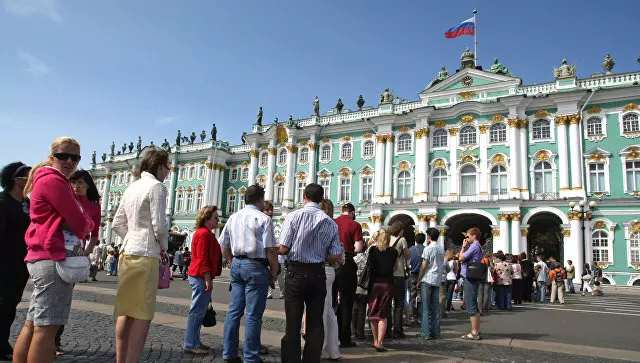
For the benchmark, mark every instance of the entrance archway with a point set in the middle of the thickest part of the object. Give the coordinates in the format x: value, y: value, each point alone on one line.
x: 460, y: 223
x: 545, y: 237
x: 408, y: 223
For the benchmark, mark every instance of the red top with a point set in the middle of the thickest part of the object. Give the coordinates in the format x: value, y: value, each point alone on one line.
x: 92, y: 210
x: 205, y: 253
x: 53, y: 203
x: 350, y: 231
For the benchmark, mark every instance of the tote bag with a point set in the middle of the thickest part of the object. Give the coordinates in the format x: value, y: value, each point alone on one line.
x: 164, y: 275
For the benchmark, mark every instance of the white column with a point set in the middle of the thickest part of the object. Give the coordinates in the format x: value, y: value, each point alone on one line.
x: 109, y: 230
x: 378, y: 176
x: 220, y: 185
x: 172, y: 186
x: 588, y: 244
x: 271, y: 168
x: 377, y: 223
x: 421, y: 167
x: 388, y: 167
x: 290, y: 178
x: 253, y: 167
x: 563, y: 156
x: 514, y: 158
x: 503, y: 241
x: 215, y: 185
x: 524, y: 159
x: 573, y: 249
x: 422, y: 223
x: 311, y: 176
x: 515, y: 234
x: 453, y: 161
x: 443, y: 231
x: 576, y: 158
x: 209, y: 183
x: 523, y: 239
x: 433, y: 220
x: 484, y: 157
x: 105, y: 192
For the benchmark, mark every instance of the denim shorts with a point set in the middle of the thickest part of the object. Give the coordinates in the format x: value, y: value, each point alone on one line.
x: 50, y: 301
x: 471, y: 296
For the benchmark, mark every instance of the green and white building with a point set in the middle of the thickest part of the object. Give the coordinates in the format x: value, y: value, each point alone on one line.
x: 477, y: 148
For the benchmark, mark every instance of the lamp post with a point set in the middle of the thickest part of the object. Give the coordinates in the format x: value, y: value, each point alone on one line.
x: 583, y: 212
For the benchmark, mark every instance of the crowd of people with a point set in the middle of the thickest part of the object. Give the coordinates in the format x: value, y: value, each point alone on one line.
x: 332, y: 281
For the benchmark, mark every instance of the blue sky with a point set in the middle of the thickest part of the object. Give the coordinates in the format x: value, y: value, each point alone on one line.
x: 112, y: 70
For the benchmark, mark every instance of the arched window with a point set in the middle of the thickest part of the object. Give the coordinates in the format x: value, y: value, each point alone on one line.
x: 404, y: 143
x: 264, y: 159
x: 543, y: 177
x: 346, y: 151
x: 182, y: 172
x: 594, y: 126
x: 245, y: 173
x: 633, y: 175
x: 630, y: 123
x: 467, y: 135
x: 234, y: 174
x: 189, y: 207
x: 439, y: 183
x: 282, y: 156
x: 325, y: 153
x: 541, y: 129
x: 199, y: 200
x: 303, y: 155
x: 468, y: 180
x: 404, y: 185
x: 202, y: 171
x: 600, y: 243
x: 179, y: 201
x: 440, y: 138
x: 498, y: 133
x: 499, y: 180
x: 192, y: 172
x: 367, y: 149
x: 279, y: 196
x: 634, y: 248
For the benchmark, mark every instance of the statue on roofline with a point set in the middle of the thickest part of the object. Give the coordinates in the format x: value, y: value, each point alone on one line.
x: 442, y: 75
x: 193, y: 137
x: 316, y: 106
x: 498, y: 68
x: 113, y: 148
x: 259, y: 120
x: 386, y: 96
x: 165, y: 146
x: 565, y: 70
x: 139, y: 145
x: 104, y: 157
x: 291, y: 123
x: 130, y: 147
x: 203, y: 135
x: 608, y: 63
x: 339, y: 105
x: 214, y: 132
x: 178, y: 138
x: 360, y: 102
x: 124, y: 148
x: 93, y: 158
x: 244, y: 138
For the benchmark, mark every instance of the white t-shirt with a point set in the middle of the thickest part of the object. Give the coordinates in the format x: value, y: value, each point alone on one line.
x: 451, y: 275
x: 400, y: 244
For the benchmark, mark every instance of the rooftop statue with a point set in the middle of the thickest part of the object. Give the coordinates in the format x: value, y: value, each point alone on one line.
x: 124, y: 148
x: 185, y: 139
x: 113, y: 148
x: 119, y: 152
x: 244, y: 138
x: 203, y: 135
x: 104, y: 157
x: 442, y: 75
x: 139, y: 145
x: 178, y: 138
x: 316, y: 106
x: 291, y: 123
x: 565, y: 70
x: 468, y: 60
x: 193, y: 137
x: 498, y: 68
x: 130, y: 147
x: 93, y: 158
x: 165, y: 145
x: 275, y: 121
x: 608, y: 63
x: 214, y: 132
x: 259, y: 121
x: 386, y: 96
x: 360, y: 102
x: 339, y: 105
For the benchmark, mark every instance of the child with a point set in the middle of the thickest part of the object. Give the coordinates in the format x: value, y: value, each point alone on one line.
x: 557, y: 277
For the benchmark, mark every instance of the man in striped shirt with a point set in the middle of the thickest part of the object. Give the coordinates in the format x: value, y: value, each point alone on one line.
x: 249, y: 245
x: 308, y: 239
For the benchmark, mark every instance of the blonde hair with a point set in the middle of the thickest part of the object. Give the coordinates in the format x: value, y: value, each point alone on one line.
x: 382, y: 239
x: 448, y: 255
x: 54, y: 145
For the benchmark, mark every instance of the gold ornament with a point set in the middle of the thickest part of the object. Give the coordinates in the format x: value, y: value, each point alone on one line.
x: 599, y: 225
x: 635, y: 228
x: 596, y: 157
x: 467, y: 95
x: 495, y: 232
x: 483, y: 129
x: 272, y: 151
x: 381, y: 139
x: 497, y: 159
x: 253, y: 153
x: 574, y: 119
x: 281, y: 134
x: 542, y: 156
x: 404, y: 129
x: 542, y: 113
x: 497, y: 118
x: 346, y: 138
x: 439, y: 124
x: 594, y: 109
x: 439, y: 163
x: 524, y: 232
x: 208, y: 165
x: 326, y: 139
x: 453, y: 131
x: 245, y: 164
x: 312, y: 146
x: 630, y: 107
x: 566, y: 232
x: 368, y: 135
x: 561, y: 120
x: 364, y: 225
x: 292, y: 149
x: 513, y: 122
x: 466, y: 119
x: 522, y: 123
x: 403, y: 166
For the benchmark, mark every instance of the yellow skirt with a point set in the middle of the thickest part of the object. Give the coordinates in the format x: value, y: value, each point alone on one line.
x: 137, y: 287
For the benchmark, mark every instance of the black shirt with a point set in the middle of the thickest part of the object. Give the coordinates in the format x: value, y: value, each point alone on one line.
x: 14, y: 221
x: 382, y: 264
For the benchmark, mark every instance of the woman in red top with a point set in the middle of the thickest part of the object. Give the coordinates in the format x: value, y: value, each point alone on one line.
x: 205, y: 261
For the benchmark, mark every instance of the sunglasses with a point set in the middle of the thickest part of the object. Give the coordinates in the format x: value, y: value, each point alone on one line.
x: 66, y: 156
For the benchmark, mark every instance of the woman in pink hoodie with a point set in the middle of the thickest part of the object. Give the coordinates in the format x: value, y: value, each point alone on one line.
x: 54, y: 208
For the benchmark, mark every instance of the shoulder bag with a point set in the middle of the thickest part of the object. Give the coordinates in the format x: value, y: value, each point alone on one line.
x: 476, y: 271
x: 75, y: 267
x: 365, y: 277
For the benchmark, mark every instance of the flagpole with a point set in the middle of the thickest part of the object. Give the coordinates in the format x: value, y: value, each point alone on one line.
x: 475, y: 38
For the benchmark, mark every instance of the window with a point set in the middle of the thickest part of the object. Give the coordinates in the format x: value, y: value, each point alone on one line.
x: 594, y: 126
x: 234, y: 175
x: 346, y: 151
x: 179, y: 201
x: 541, y: 129
x: 596, y: 178
x: 630, y: 123
x: 404, y: 143
x: 245, y: 174
x: 498, y: 133
x: 468, y: 180
x: 367, y: 188
x: 303, y: 156
x: 199, y: 200
x: 189, y: 202
x: 241, y: 202
x: 300, y: 185
x: 264, y: 159
x: 600, y: 243
x: 633, y: 175
x: 282, y: 156
x: 279, y: 193
x: 367, y: 149
x: 202, y: 171
x: 325, y: 153
x: 543, y: 178
x: 324, y: 183
x: 231, y: 203
x: 634, y: 248
x: 366, y: 236
x: 404, y: 185
x: 182, y: 173
x: 439, y: 182
x: 499, y: 180
x: 467, y: 135
x: 440, y: 138
x: 192, y: 172
x: 345, y: 190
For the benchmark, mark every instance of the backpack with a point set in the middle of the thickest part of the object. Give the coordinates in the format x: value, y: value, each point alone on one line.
x: 559, y: 280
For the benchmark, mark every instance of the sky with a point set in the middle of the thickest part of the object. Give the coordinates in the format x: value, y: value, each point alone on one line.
x: 103, y: 71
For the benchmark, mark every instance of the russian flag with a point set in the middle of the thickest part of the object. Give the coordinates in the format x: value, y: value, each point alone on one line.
x: 467, y: 27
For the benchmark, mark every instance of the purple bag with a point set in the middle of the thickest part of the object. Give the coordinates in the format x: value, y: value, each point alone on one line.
x: 164, y: 276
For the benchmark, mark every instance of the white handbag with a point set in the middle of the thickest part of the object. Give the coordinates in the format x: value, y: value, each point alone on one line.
x: 74, y: 268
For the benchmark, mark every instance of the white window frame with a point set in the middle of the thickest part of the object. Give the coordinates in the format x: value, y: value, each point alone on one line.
x: 397, y: 185
x: 300, y: 185
x: 636, y: 170
x: 369, y: 185
x: 231, y: 201
x: 327, y: 179
x: 629, y: 133
x: 244, y: 175
x: 199, y: 200
x: 179, y: 201
x: 280, y: 152
x: 553, y: 177
x: 278, y: 194
x: 364, y: 155
x: 433, y: 139
x: 624, y: 157
x: 552, y: 134
x: 202, y: 171
x: 627, y: 236
x: 323, y: 146
x: 440, y: 178
x: 182, y: 173
x: 408, y: 143
x: 609, y: 248
x: 189, y: 202
x: 263, y: 161
x: 476, y: 174
x: 499, y: 174
x: 233, y: 175
x: 492, y: 130
x: 241, y: 200
x: 341, y: 197
x: 191, y: 173
x: 343, y: 145
x: 589, y: 122
x: 301, y: 152
x: 475, y: 135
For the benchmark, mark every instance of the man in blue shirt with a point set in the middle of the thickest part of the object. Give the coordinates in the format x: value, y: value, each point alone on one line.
x: 471, y: 253
x: 415, y: 261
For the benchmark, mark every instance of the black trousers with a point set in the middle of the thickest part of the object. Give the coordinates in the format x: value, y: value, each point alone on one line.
x: 306, y: 287
x: 359, y: 315
x: 394, y: 321
x: 527, y: 289
x: 347, y: 283
x: 11, y: 288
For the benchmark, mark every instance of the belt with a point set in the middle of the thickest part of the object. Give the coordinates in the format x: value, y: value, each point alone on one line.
x: 303, y: 264
x: 245, y: 257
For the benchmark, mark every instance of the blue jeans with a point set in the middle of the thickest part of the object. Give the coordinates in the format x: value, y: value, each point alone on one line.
x: 430, y: 326
x: 508, y: 293
x: 113, y: 270
x: 570, y: 285
x: 471, y: 296
x: 542, y: 291
x: 199, y: 304
x: 249, y: 286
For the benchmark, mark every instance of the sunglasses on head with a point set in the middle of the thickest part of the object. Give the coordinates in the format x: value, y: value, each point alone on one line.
x: 66, y: 156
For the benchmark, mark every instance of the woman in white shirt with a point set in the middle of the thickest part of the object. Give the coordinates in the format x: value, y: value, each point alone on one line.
x: 451, y: 267
x: 141, y: 222
x: 517, y: 283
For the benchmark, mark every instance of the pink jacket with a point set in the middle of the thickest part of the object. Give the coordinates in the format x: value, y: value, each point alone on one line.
x: 53, y: 203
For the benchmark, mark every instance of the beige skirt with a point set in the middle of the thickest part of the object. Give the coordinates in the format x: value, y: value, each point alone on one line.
x: 137, y: 287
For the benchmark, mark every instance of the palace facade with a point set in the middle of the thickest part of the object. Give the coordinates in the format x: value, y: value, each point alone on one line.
x: 478, y: 148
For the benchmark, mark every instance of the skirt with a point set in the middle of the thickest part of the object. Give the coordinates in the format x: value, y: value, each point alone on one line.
x: 379, y: 301
x: 137, y: 287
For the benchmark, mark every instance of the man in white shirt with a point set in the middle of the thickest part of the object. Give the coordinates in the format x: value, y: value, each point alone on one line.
x: 429, y: 282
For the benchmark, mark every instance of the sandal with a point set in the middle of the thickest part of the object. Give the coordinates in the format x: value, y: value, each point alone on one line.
x: 197, y: 351
x: 264, y: 350
x: 470, y: 336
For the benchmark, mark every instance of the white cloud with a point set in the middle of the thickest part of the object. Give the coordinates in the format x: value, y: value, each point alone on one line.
x: 166, y: 120
x: 34, y: 65
x: 47, y: 8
